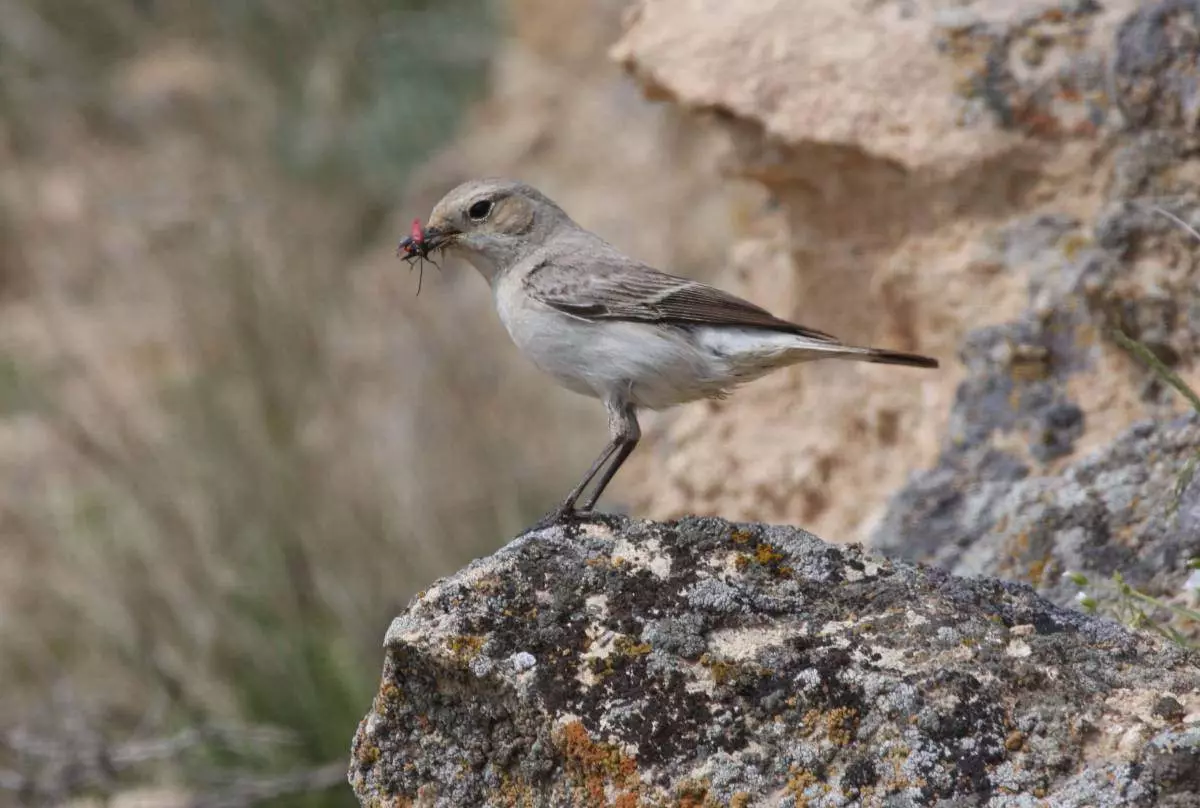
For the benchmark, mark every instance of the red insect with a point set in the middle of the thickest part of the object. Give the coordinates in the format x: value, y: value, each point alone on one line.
x: 415, y: 248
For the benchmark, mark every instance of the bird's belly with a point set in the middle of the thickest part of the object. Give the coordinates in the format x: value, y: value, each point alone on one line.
x: 645, y: 365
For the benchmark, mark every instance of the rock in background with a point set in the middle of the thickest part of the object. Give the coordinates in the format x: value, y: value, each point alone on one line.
x: 961, y: 179
x: 703, y: 663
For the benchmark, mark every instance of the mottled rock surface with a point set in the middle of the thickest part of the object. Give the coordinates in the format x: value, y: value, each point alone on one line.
x: 704, y: 663
x: 1132, y: 508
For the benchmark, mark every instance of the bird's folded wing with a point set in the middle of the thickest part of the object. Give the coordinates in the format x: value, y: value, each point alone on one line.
x: 631, y: 292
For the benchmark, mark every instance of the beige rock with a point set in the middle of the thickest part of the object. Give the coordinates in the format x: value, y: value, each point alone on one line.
x: 895, y: 139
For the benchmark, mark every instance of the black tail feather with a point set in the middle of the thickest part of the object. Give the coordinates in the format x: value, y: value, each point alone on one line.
x: 885, y: 357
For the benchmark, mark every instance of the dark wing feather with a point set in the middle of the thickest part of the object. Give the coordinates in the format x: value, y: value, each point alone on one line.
x: 617, y: 289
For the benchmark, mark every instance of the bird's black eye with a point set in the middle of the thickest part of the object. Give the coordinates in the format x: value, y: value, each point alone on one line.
x: 480, y: 210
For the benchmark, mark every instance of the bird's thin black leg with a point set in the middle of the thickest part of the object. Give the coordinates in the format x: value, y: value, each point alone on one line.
x: 628, y: 435
x: 568, y: 504
x: 623, y: 427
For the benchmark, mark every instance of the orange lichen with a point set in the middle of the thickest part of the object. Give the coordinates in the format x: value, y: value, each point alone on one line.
x: 595, y: 767
x: 695, y: 794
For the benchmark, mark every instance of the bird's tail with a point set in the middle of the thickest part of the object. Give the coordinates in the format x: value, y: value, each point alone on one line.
x: 886, y: 357
x: 813, y: 350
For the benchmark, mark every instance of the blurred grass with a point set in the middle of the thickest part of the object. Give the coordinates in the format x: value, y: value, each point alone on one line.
x: 364, y: 88
x: 217, y: 541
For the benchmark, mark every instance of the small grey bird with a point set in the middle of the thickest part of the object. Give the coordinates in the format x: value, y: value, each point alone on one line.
x: 608, y: 326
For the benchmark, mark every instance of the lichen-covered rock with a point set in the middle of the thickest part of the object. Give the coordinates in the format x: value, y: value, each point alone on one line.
x: 1133, y: 509
x: 704, y: 663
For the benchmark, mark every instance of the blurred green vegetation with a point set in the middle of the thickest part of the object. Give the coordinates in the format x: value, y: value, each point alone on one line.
x: 221, y: 558
x: 365, y: 89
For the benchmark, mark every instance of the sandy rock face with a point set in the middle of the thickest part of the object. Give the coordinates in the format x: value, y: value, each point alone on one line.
x: 937, y: 169
x: 707, y: 663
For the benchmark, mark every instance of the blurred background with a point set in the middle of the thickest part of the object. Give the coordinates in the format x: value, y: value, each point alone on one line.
x: 234, y: 442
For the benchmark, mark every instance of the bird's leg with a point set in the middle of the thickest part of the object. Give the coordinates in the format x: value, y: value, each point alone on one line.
x: 568, y: 504
x: 624, y: 432
x: 623, y: 424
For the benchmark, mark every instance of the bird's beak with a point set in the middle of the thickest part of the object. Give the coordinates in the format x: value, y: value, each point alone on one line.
x: 437, y: 238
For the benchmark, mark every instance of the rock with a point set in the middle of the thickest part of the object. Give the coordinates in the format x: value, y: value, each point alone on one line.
x: 1010, y: 495
x: 1154, y: 69
x: 1130, y: 509
x: 705, y: 663
x: 980, y: 186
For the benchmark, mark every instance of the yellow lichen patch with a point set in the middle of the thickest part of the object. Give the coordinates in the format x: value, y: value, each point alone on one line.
x: 514, y: 792
x: 595, y: 767
x: 841, y: 725
x: 368, y: 754
x: 798, y: 782
x: 740, y: 800
x: 466, y: 647
x: 809, y: 723
x: 721, y: 670
x: 489, y: 585
x: 601, y: 667
x: 627, y: 646
x: 741, y: 536
x: 765, y: 554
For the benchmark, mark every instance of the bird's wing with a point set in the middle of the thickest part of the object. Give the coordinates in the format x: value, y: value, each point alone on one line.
x: 615, y: 288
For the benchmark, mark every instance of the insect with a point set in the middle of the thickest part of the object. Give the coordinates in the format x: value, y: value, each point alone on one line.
x: 416, y: 248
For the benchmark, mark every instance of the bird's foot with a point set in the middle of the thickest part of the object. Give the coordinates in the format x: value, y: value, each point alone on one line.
x: 563, y: 514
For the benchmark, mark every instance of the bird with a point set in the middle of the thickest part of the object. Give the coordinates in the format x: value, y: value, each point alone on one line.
x: 608, y: 326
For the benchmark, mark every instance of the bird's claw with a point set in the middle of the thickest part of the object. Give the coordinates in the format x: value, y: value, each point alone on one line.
x: 561, y: 515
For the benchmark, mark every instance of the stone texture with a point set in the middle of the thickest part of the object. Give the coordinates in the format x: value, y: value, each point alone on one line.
x: 1133, y: 508
x: 704, y: 663
x: 1040, y: 470
x: 965, y: 179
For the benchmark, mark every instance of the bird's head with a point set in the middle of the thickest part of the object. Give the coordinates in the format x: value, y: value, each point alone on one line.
x: 493, y: 223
